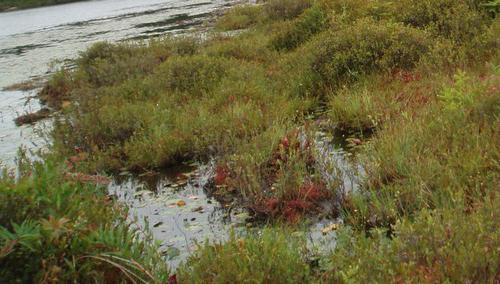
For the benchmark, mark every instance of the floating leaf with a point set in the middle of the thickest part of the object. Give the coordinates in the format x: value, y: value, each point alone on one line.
x: 329, y: 228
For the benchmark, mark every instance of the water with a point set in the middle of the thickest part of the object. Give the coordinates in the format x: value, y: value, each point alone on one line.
x: 179, y: 213
x: 177, y: 209
x: 34, y: 42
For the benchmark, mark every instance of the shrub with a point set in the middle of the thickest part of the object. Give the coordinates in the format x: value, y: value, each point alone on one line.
x: 63, y: 231
x: 451, y: 19
x: 240, y: 17
x: 365, y: 47
x: 428, y: 160
x: 285, y: 9
x: 57, y: 89
x: 437, y: 246
x: 251, y: 259
x: 248, y: 47
x: 295, y: 33
x: 193, y: 74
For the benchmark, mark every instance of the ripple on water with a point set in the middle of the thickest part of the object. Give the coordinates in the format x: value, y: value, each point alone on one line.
x: 180, y: 214
x: 177, y: 210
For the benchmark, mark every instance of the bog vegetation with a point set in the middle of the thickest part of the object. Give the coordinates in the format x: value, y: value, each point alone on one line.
x: 421, y: 78
x: 5, y: 5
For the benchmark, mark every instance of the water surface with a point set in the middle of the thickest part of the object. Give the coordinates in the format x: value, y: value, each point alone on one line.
x: 34, y: 42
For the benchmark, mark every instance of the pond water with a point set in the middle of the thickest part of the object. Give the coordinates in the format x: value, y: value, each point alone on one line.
x: 175, y: 207
x: 178, y: 212
x: 34, y: 42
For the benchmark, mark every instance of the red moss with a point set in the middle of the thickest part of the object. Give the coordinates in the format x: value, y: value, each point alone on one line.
x: 272, y: 204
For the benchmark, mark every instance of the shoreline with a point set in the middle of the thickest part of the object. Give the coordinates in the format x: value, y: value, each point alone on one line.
x: 413, y: 98
x: 42, y: 3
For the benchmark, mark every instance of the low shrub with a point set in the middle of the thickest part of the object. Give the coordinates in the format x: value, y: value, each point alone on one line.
x: 285, y: 9
x: 240, y: 17
x: 56, y: 230
x: 455, y: 20
x: 296, y: 32
x: 366, y: 47
x: 437, y: 246
x: 427, y: 159
x: 250, y: 259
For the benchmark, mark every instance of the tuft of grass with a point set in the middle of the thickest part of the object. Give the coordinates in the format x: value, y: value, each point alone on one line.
x: 440, y: 245
x: 250, y: 259
x: 298, y: 31
x: 240, y: 17
x: 429, y: 159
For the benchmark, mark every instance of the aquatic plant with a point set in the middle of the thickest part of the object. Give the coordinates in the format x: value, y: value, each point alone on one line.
x: 421, y: 79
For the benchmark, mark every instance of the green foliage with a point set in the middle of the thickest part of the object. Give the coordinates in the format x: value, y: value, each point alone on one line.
x: 271, y: 257
x: 452, y: 19
x: 240, y: 17
x: 367, y: 47
x: 296, y: 32
x: 438, y: 246
x: 52, y: 230
x: 285, y: 9
x: 431, y: 169
x: 428, y: 159
x: 492, y: 6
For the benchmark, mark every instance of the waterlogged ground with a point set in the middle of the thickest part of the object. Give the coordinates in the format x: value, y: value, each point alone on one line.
x: 176, y: 208
x: 34, y: 42
x: 174, y: 204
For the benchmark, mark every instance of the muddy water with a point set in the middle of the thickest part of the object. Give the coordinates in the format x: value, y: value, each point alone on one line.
x: 36, y: 41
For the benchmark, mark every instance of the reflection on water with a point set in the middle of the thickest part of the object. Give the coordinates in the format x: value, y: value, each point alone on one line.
x: 180, y: 214
x: 177, y: 209
x: 32, y: 40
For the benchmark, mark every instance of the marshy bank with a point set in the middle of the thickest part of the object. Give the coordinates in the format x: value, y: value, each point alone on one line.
x: 415, y: 86
x: 36, y: 42
x: 13, y: 5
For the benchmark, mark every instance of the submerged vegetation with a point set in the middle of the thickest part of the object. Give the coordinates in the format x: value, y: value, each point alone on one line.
x: 423, y: 79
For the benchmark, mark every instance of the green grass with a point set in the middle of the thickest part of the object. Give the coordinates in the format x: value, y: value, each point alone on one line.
x: 253, y: 259
x: 421, y: 79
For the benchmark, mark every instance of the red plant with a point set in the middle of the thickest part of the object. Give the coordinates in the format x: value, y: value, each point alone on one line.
x: 285, y: 142
x: 311, y: 191
x: 406, y: 76
x: 221, y: 175
x: 172, y: 279
x: 272, y: 204
x: 293, y: 209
